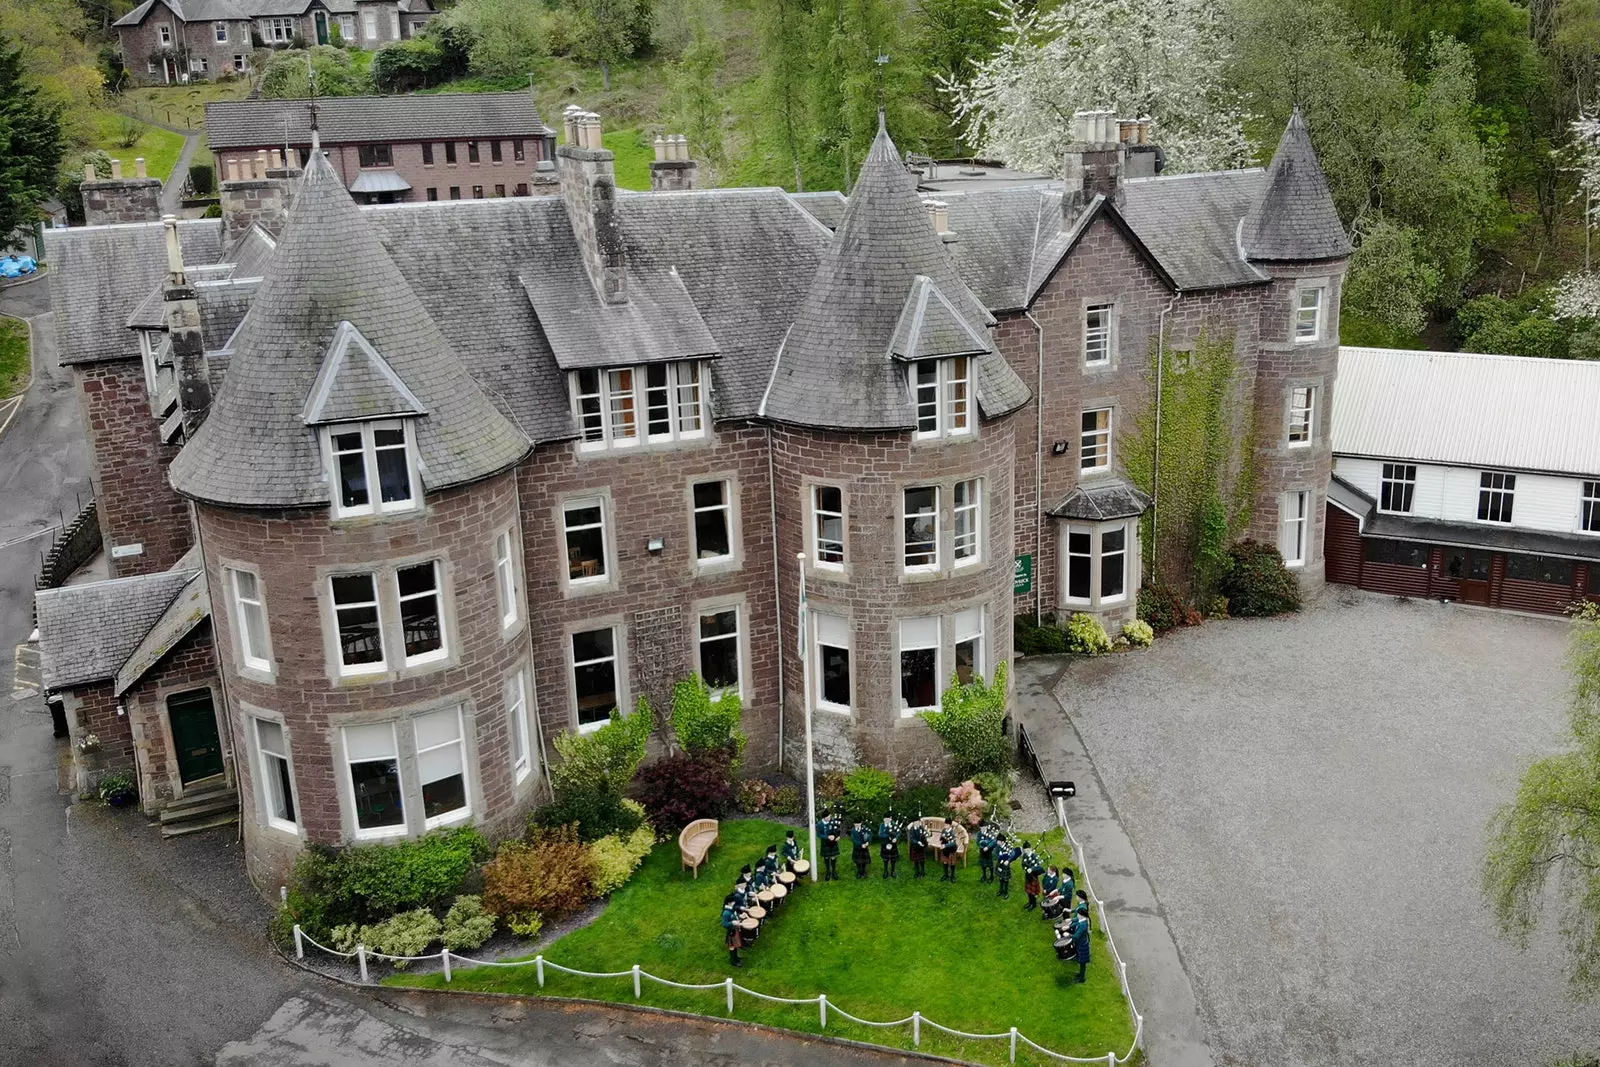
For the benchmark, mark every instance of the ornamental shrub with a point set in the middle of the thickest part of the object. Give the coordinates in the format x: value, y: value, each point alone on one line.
x: 1162, y: 607
x: 786, y: 800
x: 680, y: 789
x: 830, y: 786
x: 1030, y: 637
x: 1139, y: 633
x: 868, y: 792
x: 527, y: 925
x: 466, y: 924
x: 367, y: 884
x: 996, y: 787
x: 916, y: 801
x: 406, y: 934
x: 1086, y: 636
x: 754, y: 795
x: 549, y: 876
x: 612, y: 860
x: 1258, y: 584
x: 702, y: 724
x: 967, y: 803
x: 596, y: 815
x: 971, y: 723
x: 606, y: 760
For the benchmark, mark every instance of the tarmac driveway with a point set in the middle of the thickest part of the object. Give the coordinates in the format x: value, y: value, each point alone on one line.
x: 1308, y: 798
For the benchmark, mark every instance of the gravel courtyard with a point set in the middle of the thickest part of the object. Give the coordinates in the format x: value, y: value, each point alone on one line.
x: 1308, y: 797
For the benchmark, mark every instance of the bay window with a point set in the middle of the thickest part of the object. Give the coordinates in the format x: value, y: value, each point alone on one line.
x: 372, y: 762
x: 1113, y: 563
x: 919, y: 665
x: 608, y: 404
x: 1100, y: 562
x: 442, y: 767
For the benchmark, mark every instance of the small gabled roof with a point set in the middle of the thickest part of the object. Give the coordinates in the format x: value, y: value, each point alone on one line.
x: 833, y: 370
x: 1102, y: 499
x: 356, y: 383
x: 250, y: 252
x: 86, y: 632
x: 188, y: 11
x: 930, y: 326
x: 330, y: 268
x: 189, y: 609
x: 657, y: 323
x: 1294, y: 218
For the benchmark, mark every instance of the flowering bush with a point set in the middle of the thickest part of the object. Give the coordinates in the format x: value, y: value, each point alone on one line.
x: 466, y: 924
x: 680, y: 789
x: 967, y: 802
x: 754, y: 795
x: 1086, y: 636
x: 89, y: 743
x: 1139, y: 634
x: 549, y: 876
x: 613, y: 859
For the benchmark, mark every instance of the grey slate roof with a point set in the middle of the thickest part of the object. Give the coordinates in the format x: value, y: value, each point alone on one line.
x: 188, y: 11
x: 997, y: 231
x: 1294, y: 219
x: 355, y: 383
x: 86, y: 632
x: 222, y: 307
x: 366, y: 119
x: 658, y: 322
x: 329, y: 267
x: 930, y: 326
x: 1101, y: 499
x: 1190, y: 222
x: 250, y: 252
x: 188, y: 609
x: 103, y: 273
x: 826, y: 207
x: 833, y: 370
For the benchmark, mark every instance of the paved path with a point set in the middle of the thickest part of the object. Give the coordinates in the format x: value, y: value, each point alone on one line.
x: 1308, y: 796
x: 172, y: 191
x: 1173, y: 1033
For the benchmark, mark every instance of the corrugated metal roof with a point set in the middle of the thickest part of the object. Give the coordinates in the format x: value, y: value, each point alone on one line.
x: 1461, y: 408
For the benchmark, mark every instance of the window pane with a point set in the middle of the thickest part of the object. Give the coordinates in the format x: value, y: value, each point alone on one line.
x: 719, y: 649
x: 658, y: 407
x: 957, y: 396
x: 352, y: 473
x: 1097, y: 334
x: 1113, y: 562
x: 1079, y: 547
x: 619, y: 384
x: 360, y: 640
x: 927, y: 388
x: 594, y: 674
x: 586, y: 545
x: 688, y: 376
x: 966, y: 660
x: 1546, y: 569
x: 921, y: 527
x: 829, y: 508
x: 592, y: 645
x: 440, y: 763
x: 918, y: 677
x: 419, y: 609
x: 280, y: 790
x: 835, y: 675
x: 394, y: 472
x: 711, y: 534
x: 376, y: 784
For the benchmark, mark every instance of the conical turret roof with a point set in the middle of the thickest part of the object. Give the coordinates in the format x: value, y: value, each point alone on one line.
x: 329, y: 269
x: 1294, y: 218
x: 839, y: 367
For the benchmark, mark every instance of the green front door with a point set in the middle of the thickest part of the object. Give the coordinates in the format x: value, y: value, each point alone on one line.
x: 194, y: 735
x: 321, y: 20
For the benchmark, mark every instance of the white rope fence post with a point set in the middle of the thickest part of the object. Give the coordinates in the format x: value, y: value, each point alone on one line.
x: 445, y: 957
x: 539, y: 965
x: 916, y: 1029
x: 822, y: 1005
x: 299, y: 943
x: 730, y: 996
x: 636, y: 981
x: 1013, y: 1044
x: 361, y: 957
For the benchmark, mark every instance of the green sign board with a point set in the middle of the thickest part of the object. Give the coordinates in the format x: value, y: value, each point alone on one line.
x: 1022, y: 575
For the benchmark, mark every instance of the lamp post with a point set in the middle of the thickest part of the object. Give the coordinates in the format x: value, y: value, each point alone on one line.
x: 805, y: 676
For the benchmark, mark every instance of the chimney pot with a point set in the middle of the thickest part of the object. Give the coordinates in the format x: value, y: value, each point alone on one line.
x: 138, y: 168
x: 116, y: 170
x: 174, y: 248
x: 661, y: 148
x: 277, y: 159
x: 88, y: 172
x: 233, y: 170
x: 683, y: 148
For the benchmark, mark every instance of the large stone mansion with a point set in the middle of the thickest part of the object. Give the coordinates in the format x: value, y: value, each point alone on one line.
x: 394, y: 495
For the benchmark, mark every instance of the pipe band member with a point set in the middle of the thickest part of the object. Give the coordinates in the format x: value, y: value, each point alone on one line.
x: 828, y: 832
x: 1050, y: 888
x: 860, y: 854
x: 986, y: 847
x: 919, y: 847
x: 1032, y: 868
x: 1080, y: 943
x: 733, y: 935
x: 889, y: 848
x: 1005, y: 854
x: 791, y: 851
x: 948, y: 844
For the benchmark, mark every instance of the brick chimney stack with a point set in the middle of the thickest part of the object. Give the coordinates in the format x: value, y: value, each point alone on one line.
x: 587, y: 171
x: 673, y: 170
x: 183, y: 331
x: 256, y: 189
x: 1092, y: 164
x: 107, y: 201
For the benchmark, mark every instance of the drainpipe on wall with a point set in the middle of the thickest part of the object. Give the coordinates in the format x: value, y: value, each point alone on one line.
x: 1155, y: 459
x: 532, y: 695
x: 777, y: 590
x: 1038, y: 465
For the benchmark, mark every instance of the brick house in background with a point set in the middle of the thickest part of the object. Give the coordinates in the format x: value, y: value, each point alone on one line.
x: 393, y: 149
x: 166, y: 42
x: 399, y: 430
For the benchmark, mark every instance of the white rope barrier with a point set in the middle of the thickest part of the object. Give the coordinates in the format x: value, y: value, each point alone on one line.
x: 916, y: 1018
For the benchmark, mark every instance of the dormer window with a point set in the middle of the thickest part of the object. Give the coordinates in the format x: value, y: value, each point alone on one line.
x: 658, y: 403
x: 372, y: 469
x: 944, y: 396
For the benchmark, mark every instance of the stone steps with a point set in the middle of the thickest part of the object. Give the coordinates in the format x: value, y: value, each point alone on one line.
x: 179, y: 829
x: 201, y: 810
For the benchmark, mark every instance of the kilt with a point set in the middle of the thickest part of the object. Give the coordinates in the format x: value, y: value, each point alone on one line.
x: 1031, y: 886
x: 918, y: 853
x: 948, y: 858
x: 735, y: 938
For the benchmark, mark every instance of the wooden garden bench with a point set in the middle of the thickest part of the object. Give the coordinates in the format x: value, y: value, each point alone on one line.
x: 935, y: 826
x: 695, y: 842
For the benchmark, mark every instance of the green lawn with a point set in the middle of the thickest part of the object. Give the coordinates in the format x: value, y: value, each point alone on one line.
x: 634, y: 156
x: 879, y: 949
x: 14, y: 363
x: 160, y: 148
x: 181, y: 105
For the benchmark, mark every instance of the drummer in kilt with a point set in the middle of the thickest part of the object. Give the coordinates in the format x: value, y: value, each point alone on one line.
x: 919, y: 847
x: 1032, y: 869
x: 860, y: 854
x: 733, y: 934
x: 986, y: 845
x: 889, y: 847
x: 791, y: 851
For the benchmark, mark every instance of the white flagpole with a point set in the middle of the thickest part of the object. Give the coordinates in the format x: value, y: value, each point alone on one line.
x: 805, y: 675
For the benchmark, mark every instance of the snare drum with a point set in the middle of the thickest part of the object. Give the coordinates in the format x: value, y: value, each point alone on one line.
x: 756, y: 914
x: 785, y: 879
x: 765, y: 896
x: 751, y: 929
x: 802, y: 866
x: 779, y: 892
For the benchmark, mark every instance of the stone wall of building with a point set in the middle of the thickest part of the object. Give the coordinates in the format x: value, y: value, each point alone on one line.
x: 140, y: 514
x: 92, y: 709
x: 654, y: 598
x: 109, y: 201
x: 494, y: 178
x: 191, y: 665
x: 294, y: 555
x: 873, y: 592
x: 143, y: 47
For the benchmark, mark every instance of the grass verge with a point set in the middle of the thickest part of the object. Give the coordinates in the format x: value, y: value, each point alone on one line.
x: 879, y: 949
x: 160, y: 148
x: 14, y: 363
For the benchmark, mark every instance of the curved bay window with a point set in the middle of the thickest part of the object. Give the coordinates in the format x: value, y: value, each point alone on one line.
x: 1099, y: 562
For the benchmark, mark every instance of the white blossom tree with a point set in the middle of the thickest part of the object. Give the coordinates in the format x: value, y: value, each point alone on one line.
x: 1165, y: 59
x: 1577, y: 296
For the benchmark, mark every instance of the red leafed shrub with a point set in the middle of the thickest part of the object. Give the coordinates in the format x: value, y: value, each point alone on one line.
x: 680, y: 789
x: 1164, y: 608
x: 550, y: 876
